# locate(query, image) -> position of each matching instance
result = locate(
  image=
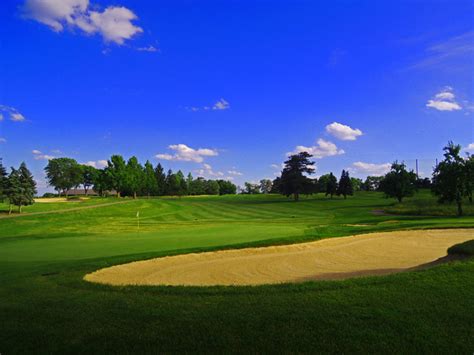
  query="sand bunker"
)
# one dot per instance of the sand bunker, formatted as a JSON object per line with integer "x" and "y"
{"x": 328, "y": 259}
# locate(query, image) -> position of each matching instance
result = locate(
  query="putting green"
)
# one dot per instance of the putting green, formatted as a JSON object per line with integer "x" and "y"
{"x": 328, "y": 259}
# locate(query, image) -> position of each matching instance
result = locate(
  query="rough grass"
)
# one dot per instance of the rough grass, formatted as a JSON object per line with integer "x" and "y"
{"x": 46, "y": 307}
{"x": 424, "y": 203}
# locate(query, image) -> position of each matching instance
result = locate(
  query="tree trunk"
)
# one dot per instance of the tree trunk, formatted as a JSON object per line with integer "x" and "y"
{"x": 134, "y": 195}
{"x": 296, "y": 196}
{"x": 11, "y": 207}
{"x": 118, "y": 194}
{"x": 19, "y": 208}
{"x": 345, "y": 196}
{"x": 399, "y": 199}
{"x": 85, "y": 190}
{"x": 459, "y": 203}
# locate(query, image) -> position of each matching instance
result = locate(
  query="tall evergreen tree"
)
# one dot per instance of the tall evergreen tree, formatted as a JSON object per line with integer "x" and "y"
{"x": 331, "y": 185}
{"x": 160, "y": 178}
{"x": 150, "y": 184}
{"x": 345, "y": 185}
{"x": 293, "y": 181}
{"x": 21, "y": 187}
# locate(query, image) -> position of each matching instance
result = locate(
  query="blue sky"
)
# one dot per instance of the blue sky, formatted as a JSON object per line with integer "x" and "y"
{"x": 228, "y": 88}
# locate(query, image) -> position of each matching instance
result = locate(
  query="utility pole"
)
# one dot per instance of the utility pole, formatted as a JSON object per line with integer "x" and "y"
{"x": 416, "y": 162}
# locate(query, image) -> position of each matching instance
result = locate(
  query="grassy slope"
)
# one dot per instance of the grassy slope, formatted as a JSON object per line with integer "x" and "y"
{"x": 47, "y": 307}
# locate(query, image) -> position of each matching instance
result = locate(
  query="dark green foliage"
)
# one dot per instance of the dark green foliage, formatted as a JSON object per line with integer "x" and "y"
{"x": 265, "y": 186}
{"x": 212, "y": 187}
{"x": 356, "y": 184}
{"x": 117, "y": 173}
{"x": 276, "y": 185}
{"x": 102, "y": 182}
{"x": 63, "y": 174}
{"x": 331, "y": 185}
{"x": 452, "y": 177}
{"x": 469, "y": 176}
{"x": 424, "y": 183}
{"x": 251, "y": 188}
{"x": 21, "y": 187}
{"x": 372, "y": 183}
{"x": 226, "y": 187}
{"x": 3, "y": 181}
{"x": 293, "y": 181}
{"x": 160, "y": 180}
{"x": 399, "y": 182}
{"x": 150, "y": 183}
{"x": 89, "y": 176}
{"x": 134, "y": 177}
{"x": 197, "y": 186}
{"x": 344, "y": 187}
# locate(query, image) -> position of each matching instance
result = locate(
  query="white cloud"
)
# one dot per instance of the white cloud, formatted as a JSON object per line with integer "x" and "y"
{"x": 206, "y": 171}
{"x": 150, "y": 48}
{"x": 38, "y": 155}
{"x": 2, "y": 140}
{"x": 218, "y": 106}
{"x": 185, "y": 153}
{"x": 234, "y": 173}
{"x": 221, "y": 105}
{"x": 321, "y": 150}
{"x": 343, "y": 132}
{"x": 13, "y": 113}
{"x": 470, "y": 147}
{"x": 369, "y": 168}
{"x": 98, "y": 164}
{"x": 114, "y": 23}
{"x": 444, "y": 101}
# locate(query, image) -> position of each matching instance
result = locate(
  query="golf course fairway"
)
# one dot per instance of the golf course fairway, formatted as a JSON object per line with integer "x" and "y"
{"x": 328, "y": 259}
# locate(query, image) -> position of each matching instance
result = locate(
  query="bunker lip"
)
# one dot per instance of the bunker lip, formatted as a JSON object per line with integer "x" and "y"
{"x": 328, "y": 259}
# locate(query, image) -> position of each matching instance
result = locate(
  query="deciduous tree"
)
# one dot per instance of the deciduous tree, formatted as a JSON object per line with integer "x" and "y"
{"x": 399, "y": 182}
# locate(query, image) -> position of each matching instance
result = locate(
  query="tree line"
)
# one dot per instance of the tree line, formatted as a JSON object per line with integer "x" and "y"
{"x": 18, "y": 187}
{"x": 129, "y": 178}
{"x": 452, "y": 179}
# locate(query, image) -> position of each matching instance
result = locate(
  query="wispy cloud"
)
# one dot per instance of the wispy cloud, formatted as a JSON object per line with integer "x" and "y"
{"x": 470, "y": 147}
{"x": 184, "y": 153}
{"x": 449, "y": 53}
{"x": 220, "y": 105}
{"x": 2, "y": 140}
{"x": 38, "y": 155}
{"x": 12, "y": 113}
{"x": 98, "y": 164}
{"x": 114, "y": 23}
{"x": 445, "y": 100}
{"x": 150, "y": 48}
{"x": 343, "y": 132}
{"x": 321, "y": 150}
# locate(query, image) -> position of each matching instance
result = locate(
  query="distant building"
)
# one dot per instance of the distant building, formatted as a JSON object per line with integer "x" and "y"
{"x": 90, "y": 192}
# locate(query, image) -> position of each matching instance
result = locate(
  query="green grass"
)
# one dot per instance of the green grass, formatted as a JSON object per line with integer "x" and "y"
{"x": 46, "y": 307}
{"x": 424, "y": 203}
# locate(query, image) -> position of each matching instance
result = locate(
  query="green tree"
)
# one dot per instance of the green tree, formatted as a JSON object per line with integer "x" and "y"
{"x": 211, "y": 187}
{"x": 469, "y": 172}
{"x": 356, "y": 184}
{"x": 450, "y": 177}
{"x": 102, "y": 182}
{"x": 117, "y": 170}
{"x": 344, "y": 187}
{"x": 293, "y": 181}
{"x": 3, "y": 181}
{"x": 198, "y": 186}
{"x": 226, "y": 187}
{"x": 160, "y": 180}
{"x": 21, "y": 187}
{"x": 189, "y": 181}
{"x": 251, "y": 189}
{"x": 276, "y": 185}
{"x": 150, "y": 184}
{"x": 399, "y": 182}
{"x": 63, "y": 174}
{"x": 182, "y": 184}
{"x": 89, "y": 174}
{"x": 372, "y": 183}
{"x": 265, "y": 186}
{"x": 331, "y": 185}
{"x": 134, "y": 177}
